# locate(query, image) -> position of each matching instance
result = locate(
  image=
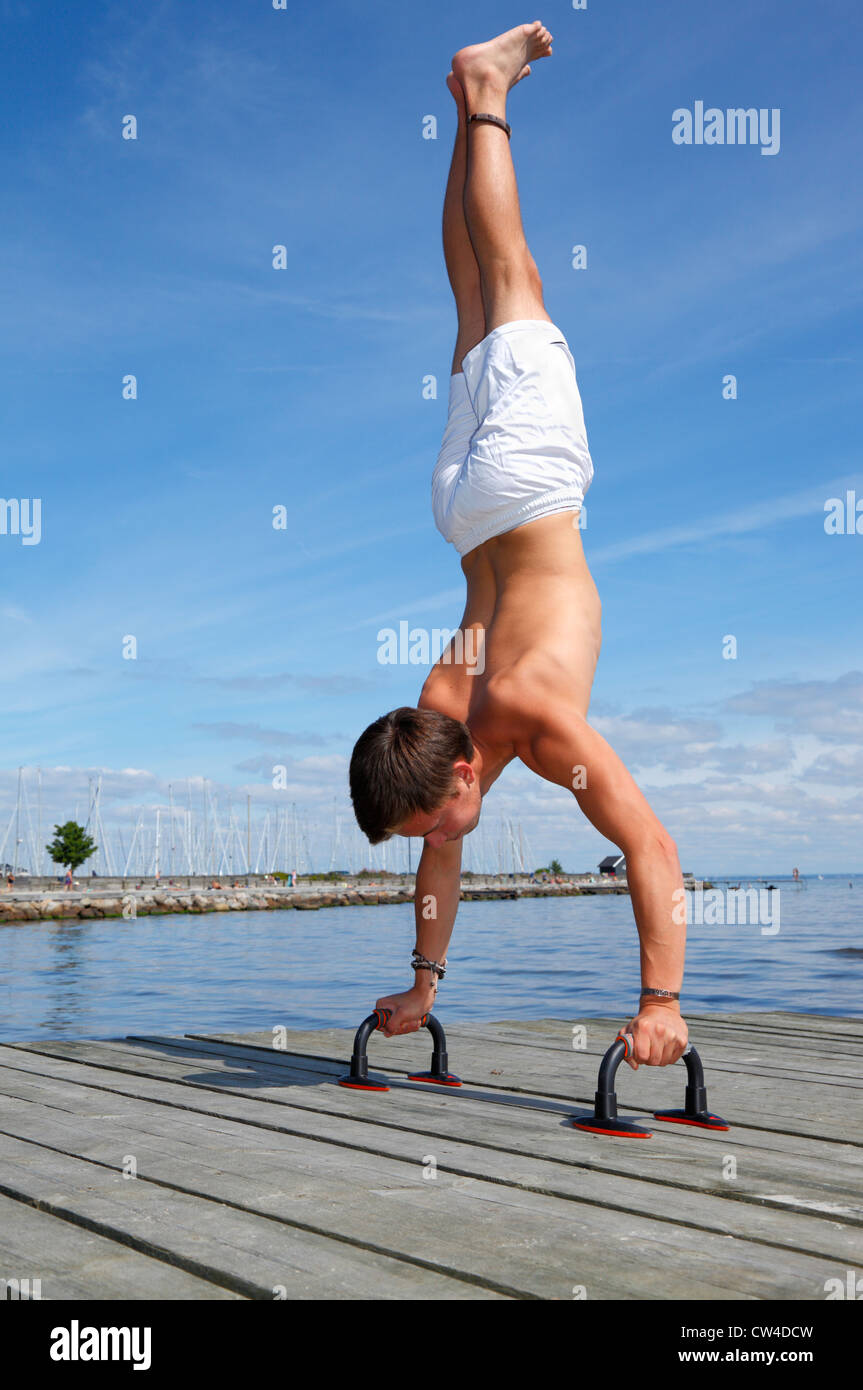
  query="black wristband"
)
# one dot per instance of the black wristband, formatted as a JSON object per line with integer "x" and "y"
{"x": 660, "y": 993}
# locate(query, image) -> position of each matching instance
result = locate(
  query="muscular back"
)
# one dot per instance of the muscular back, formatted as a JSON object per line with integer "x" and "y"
{"x": 533, "y": 606}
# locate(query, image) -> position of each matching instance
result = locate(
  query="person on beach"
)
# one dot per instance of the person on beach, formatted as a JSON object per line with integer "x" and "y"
{"x": 507, "y": 490}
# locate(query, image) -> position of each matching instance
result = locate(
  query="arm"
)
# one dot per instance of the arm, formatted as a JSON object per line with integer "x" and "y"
{"x": 562, "y": 747}
{"x": 438, "y": 885}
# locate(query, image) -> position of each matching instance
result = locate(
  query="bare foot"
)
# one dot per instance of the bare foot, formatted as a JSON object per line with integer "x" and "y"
{"x": 501, "y": 62}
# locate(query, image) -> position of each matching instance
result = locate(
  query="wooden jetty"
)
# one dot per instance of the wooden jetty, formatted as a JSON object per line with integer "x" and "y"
{"x": 233, "y": 1167}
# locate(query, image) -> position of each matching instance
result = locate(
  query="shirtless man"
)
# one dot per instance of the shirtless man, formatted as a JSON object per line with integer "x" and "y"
{"x": 507, "y": 490}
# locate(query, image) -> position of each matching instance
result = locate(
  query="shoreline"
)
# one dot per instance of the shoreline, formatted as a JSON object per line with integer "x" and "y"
{"x": 148, "y": 900}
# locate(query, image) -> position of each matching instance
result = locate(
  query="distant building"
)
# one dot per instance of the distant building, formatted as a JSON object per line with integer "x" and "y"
{"x": 612, "y": 865}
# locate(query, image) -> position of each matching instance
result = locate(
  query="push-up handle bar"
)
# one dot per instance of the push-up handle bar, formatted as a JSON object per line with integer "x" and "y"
{"x": 605, "y": 1119}
{"x": 358, "y": 1077}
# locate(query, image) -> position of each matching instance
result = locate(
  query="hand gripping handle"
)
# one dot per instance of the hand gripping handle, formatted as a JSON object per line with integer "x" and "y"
{"x": 687, "y": 1053}
{"x": 384, "y": 1016}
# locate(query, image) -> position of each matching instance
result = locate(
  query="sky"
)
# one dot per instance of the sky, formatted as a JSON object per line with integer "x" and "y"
{"x": 305, "y": 388}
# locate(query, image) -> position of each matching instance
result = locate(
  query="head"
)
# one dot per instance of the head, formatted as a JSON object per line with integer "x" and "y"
{"x": 413, "y": 773}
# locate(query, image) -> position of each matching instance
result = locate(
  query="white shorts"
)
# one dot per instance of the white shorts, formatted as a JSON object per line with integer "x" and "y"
{"x": 515, "y": 445}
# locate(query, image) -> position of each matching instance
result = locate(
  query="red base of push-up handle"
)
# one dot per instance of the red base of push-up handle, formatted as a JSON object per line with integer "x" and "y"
{"x": 695, "y": 1111}
{"x": 680, "y": 1117}
{"x": 358, "y": 1078}
{"x": 448, "y": 1080}
{"x": 624, "y": 1129}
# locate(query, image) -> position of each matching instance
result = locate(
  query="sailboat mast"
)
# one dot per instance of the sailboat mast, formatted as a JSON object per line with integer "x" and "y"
{"x": 17, "y": 824}
{"x": 171, "y": 845}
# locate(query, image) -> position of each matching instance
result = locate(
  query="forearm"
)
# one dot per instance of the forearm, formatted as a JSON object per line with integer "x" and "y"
{"x": 438, "y": 887}
{"x": 656, "y": 888}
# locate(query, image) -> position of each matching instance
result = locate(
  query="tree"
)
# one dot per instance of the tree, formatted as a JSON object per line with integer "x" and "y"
{"x": 71, "y": 845}
{"x": 555, "y": 867}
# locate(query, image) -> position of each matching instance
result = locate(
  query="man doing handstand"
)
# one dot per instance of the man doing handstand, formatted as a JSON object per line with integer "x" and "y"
{"x": 506, "y": 491}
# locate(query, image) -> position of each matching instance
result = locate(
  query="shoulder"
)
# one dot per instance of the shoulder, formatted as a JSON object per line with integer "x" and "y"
{"x": 445, "y": 691}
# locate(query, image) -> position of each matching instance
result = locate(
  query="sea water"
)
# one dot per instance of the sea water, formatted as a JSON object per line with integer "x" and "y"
{"x": 565, "y": 958}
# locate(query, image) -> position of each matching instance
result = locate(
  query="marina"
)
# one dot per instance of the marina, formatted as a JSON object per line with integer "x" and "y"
{"x": 199, "y": 832}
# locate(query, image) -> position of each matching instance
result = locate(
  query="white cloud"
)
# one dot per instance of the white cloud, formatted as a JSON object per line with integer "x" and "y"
{"x": 769, "y": 511}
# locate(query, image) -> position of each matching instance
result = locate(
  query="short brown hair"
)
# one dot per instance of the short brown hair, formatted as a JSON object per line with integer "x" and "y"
{"x": 402, "y": 764}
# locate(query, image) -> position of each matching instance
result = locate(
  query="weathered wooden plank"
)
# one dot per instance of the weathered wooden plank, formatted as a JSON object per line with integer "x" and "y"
{"x": 769, "y": 1179}
{"x": 724, "y": 1060}
{"x": 756, "y": 1019}
{"x": 313, "y": 1113}
{"x": 734, "y": 1060}
{"x": 771, "y": 1044}
{"x": 537, "y": 1245}
{"x": 750, "y": 1099}
{"x": 242, "y": 1250}
{"x": 234, "y": 1150}
{"x": 840, "y": 1069}
{"x": 779, "y": 1017}
{"x": 731, "y": 1035}
{"x": 71, "y": 1263}
{"x": 272, "y": 1079}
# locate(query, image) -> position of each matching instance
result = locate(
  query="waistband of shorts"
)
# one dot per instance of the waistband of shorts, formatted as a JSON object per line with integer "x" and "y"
{"x": 497, "y": 524}
{"x": 543, "y": 327}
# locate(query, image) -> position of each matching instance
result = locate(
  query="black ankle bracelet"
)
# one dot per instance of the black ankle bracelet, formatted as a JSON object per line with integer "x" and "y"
{"x": 492, "y": 120}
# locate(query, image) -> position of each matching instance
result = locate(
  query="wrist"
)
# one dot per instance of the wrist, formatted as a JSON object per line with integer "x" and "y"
{"x": 427, "y": 971}
{"x": 650, "y": 1001}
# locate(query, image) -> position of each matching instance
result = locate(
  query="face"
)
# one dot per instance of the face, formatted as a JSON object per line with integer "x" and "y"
{"x": 457, "y": 817}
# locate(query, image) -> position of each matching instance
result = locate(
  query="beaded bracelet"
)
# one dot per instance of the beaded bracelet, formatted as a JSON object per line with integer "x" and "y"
{"x": 437, "y": 968}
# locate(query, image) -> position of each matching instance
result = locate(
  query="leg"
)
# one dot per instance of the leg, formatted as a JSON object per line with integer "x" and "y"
{"x": 509, "y": 279}
{"x": 461, "y": 263}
